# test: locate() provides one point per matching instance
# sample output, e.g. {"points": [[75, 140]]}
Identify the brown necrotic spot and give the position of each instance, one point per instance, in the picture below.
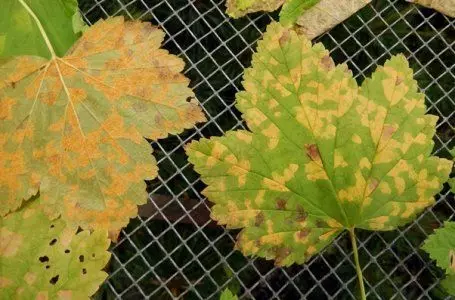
{"points": [[54, 280], [284, 38], [52, 226], [399, 80], [327, 63], [259, 219], [84, 271], [281, 203], [43, 259], [301, 214], [280, 254], [52, 243], [47, 267], [81, 258], [304, 233], [67, 251], [312, 151], [13, 84]]}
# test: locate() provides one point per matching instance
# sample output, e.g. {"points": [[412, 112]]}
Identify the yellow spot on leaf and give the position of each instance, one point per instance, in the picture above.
{"points": [[5, 282], [378, 223], [356, 139], [339, 160], [10, 242], [30, 278]]}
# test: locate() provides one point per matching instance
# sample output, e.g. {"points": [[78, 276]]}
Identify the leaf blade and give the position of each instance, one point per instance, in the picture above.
{"points": [[304, 167], [90, 111]]}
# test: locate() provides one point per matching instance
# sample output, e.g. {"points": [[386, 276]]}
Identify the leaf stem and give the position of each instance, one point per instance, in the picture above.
{"points": [[357, 263], [40, 27]]}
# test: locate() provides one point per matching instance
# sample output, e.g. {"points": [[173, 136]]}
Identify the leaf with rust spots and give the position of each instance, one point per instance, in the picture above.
{"points": [[19, 34], [342, 156], [441, 248], [38, 255], [74, 126], [446, 7]]}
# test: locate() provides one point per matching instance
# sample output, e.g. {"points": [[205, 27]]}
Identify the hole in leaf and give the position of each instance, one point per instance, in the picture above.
{"points": [[52, 226], [52, 243], [54, 280], [81, 258], [67, 251], [93, 255], [84, 271], [47, 267], [43, 259]]}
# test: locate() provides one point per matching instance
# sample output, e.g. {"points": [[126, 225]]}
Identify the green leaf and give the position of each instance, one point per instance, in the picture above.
{"points": [[293, 9], [44, 259], [240, 8], [322, 154], [448, 284], [441, 248], [446, 7], [228, 295], [325, 15], [19, 34], [74, 126]]}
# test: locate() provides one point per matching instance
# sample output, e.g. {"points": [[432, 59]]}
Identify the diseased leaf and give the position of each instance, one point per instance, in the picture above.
{"points": [[228, 295], [44, 259], [240, 8], [327, 14], [441, 247], [75, 124], [19, 34], [323, 154], [446, 7]]}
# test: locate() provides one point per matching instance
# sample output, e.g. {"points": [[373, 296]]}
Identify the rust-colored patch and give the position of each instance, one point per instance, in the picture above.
{"points": [[259, 220], [284, 39], [280, 253], [327, 63], [312, 152], [281, 203], [304, 233]]}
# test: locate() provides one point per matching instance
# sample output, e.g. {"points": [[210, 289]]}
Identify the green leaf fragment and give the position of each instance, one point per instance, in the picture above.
{"points": [[441, 248], [293, 9], [323, 155], [19, 34], [240, 8], [228, 295], [44, 259]]}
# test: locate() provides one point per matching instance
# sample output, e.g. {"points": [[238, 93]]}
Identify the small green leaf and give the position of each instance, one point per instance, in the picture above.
{"points": [[19, 34], [240, 8], [228, 295], [293, 9], [322, 154], [44, 259], [448, 284], [441, 248]]}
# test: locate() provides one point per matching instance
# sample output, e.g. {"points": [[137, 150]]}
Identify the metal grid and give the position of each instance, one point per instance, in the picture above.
{"points": [[181, 257]]}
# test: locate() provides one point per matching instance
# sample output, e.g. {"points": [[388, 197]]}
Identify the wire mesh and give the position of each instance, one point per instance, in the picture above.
{"points": [[174, 251]]}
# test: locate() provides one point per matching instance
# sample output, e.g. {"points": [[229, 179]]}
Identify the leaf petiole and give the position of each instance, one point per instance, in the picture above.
{"points": [[357, 263], [40, 27]]}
